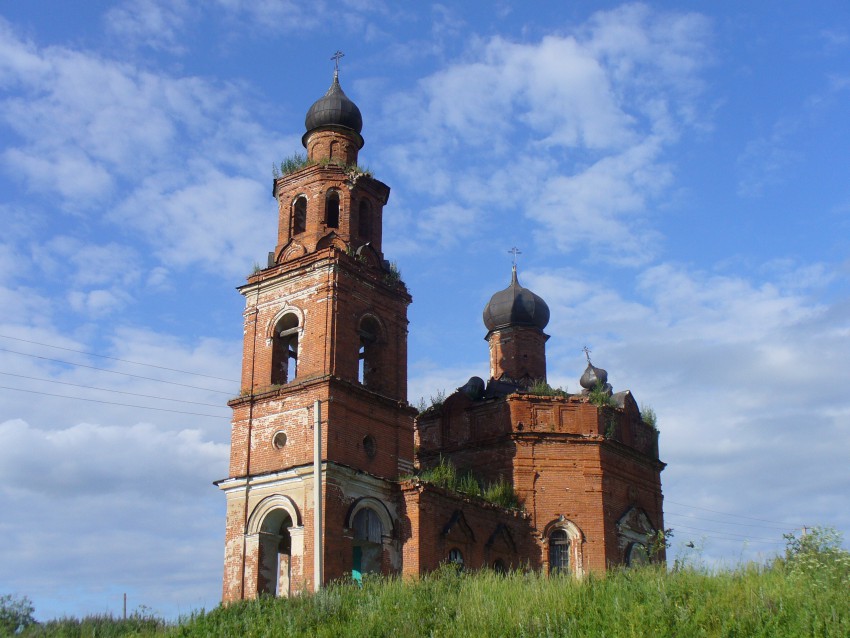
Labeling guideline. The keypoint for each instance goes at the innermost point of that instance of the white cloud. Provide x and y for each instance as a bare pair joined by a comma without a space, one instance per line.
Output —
221,222
121,117
176,150
427,380
19,60
764,160
602,208
12,263
104,113
106,390
74,174
90,489
159,278
835,40
301,19
26,304
92,263
445,224
97,279
602,105
119,500
726,308
88,459
97,303
746,377
208,356
148,23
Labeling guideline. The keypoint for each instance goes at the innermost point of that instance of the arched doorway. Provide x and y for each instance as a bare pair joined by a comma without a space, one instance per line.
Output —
275,554
367,548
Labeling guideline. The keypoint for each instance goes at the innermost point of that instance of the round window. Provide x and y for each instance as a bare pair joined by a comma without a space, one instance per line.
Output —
370,446
279,439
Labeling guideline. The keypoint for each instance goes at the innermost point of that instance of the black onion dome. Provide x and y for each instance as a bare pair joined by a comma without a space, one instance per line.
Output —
334,109
515,306
593,376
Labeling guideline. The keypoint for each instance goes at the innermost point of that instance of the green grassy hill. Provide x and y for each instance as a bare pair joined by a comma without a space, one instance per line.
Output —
807,593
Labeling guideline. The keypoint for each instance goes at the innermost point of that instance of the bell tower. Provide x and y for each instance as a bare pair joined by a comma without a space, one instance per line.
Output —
321,429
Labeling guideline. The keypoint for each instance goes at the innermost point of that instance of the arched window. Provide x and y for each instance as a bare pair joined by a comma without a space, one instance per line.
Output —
456,557
299,216
285,350
559,552
636,555
332,209
364,220
367,550
275,554
333,153
367,372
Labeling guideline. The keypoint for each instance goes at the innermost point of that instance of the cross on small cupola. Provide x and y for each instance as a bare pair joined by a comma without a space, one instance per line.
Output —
336,58
515,251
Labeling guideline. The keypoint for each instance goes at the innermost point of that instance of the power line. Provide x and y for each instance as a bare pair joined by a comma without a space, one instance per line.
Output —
712,520
728,535
705,509
126,374
103,356
125,405
90,387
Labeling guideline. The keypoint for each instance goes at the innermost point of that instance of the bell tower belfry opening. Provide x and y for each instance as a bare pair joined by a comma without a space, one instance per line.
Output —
325,324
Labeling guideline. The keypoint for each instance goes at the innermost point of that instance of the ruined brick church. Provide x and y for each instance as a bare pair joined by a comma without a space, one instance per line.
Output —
325,447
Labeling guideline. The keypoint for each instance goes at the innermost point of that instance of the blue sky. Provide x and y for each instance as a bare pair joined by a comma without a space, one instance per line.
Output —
678,182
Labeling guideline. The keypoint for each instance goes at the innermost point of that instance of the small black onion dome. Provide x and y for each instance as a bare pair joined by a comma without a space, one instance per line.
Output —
593,375
474,388
334,109
515,306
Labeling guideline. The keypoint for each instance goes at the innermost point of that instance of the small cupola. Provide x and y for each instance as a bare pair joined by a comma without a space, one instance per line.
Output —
515,306
594,379
334,109
515,318
333,126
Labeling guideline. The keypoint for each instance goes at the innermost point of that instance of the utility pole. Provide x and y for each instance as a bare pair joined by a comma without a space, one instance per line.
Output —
317,497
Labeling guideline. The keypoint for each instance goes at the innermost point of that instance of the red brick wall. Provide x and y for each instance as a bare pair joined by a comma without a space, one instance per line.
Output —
288,410
480,532
313,182
568,460
354,414
517,353
346,145
330,292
